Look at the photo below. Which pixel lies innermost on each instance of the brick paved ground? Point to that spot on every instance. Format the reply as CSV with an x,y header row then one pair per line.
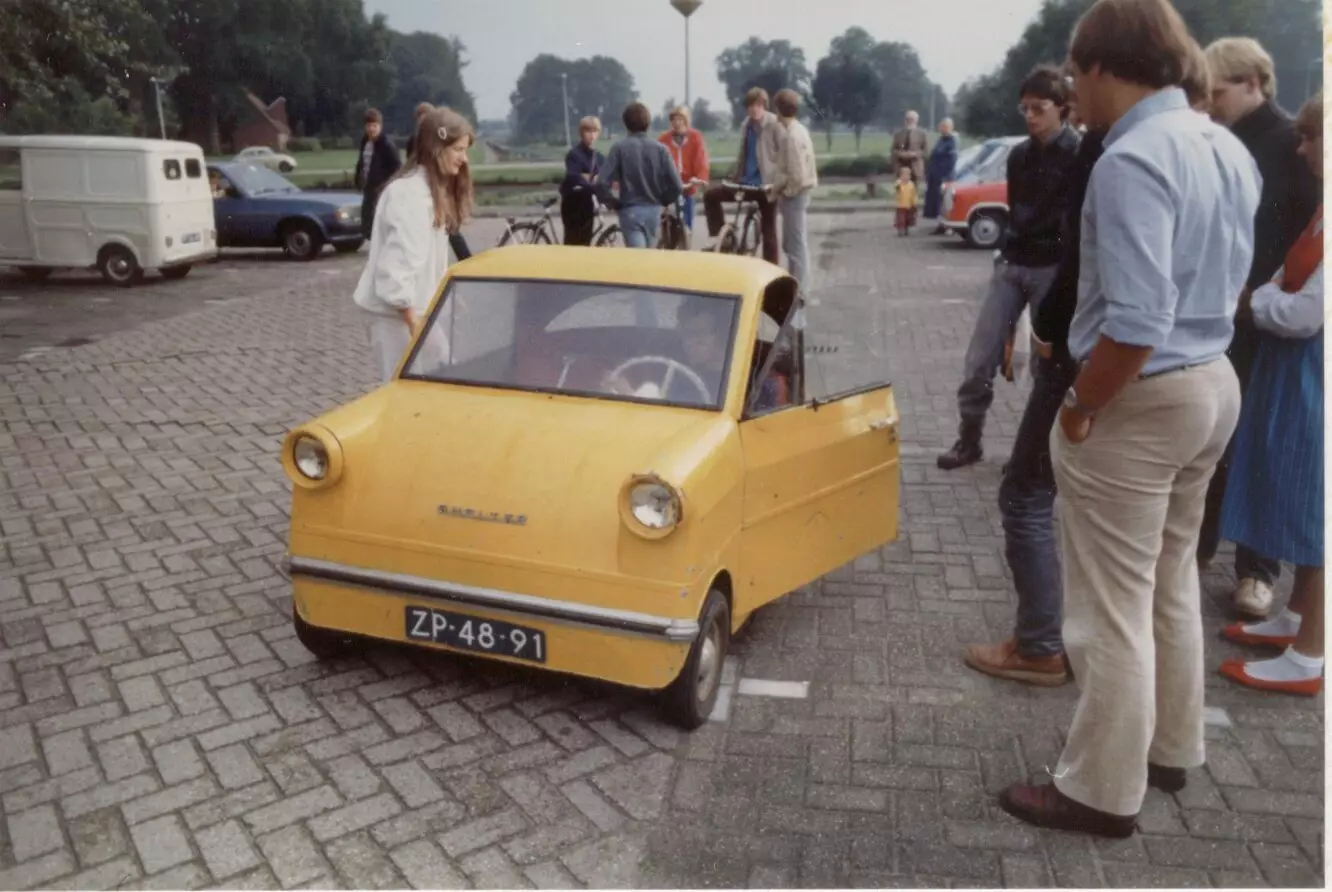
x,y
160,726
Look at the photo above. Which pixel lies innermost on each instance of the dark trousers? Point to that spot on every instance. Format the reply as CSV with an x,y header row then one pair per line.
x,y
1248,564
368,202
579,218
714,202
933,197
1026,503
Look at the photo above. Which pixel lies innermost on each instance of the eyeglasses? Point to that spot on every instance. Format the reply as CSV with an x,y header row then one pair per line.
x,y
1034,108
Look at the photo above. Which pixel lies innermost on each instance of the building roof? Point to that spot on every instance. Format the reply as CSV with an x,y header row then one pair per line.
x,y
264,111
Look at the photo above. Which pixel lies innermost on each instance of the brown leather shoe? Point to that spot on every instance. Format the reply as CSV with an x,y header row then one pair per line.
x,y
1045,806
1003,660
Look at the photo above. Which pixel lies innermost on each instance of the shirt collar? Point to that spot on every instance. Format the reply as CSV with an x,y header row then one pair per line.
x,y
1169,99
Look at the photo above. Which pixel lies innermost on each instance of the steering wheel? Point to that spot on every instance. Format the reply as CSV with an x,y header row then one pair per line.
x,y
672,366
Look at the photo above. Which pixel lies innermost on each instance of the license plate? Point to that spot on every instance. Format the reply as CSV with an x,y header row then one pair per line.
x,y
486,636
191,238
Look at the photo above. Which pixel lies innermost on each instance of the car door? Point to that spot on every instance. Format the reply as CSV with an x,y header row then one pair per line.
x,y
822,476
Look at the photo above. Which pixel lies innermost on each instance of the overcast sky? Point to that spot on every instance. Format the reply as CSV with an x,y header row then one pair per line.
x,y
956,39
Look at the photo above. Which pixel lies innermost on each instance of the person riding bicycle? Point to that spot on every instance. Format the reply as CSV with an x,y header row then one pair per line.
x,y
690,154
581,167
761,140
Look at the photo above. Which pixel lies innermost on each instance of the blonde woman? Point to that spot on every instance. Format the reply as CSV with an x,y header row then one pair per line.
x,y
419,209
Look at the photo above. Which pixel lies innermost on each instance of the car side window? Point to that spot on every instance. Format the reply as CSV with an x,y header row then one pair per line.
x,y
777,371
11,171
171,167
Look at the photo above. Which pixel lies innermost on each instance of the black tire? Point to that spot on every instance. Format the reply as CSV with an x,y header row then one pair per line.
x,y
301,241
986,229
349,247
689,700
525,234
749,238
672,234
285,167
610,237
176,272
35,273
119,266
325,644
727,243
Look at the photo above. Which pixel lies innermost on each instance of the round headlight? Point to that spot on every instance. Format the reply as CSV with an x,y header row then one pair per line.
x,y
654,505
310,457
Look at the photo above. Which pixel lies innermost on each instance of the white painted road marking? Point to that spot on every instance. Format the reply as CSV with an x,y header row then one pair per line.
x,y
1216,717
787,690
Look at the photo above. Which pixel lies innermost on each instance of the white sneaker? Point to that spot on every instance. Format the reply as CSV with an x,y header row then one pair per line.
x,y
1253,598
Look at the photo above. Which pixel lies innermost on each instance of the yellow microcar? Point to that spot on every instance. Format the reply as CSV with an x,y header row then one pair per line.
x,y
592,461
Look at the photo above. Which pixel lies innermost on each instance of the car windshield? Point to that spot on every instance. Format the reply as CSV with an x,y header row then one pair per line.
x,y
599,340
981,165
256,180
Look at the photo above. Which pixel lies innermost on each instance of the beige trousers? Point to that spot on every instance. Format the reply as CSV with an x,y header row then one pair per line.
x,y
1131,499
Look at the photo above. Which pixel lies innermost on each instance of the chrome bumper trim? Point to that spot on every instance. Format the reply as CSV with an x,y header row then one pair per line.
x,y
528,605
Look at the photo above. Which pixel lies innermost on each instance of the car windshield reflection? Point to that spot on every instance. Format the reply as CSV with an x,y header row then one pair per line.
x,y
605,341
254,179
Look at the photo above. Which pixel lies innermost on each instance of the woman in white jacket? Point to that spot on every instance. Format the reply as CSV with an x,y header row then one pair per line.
x,y
429,199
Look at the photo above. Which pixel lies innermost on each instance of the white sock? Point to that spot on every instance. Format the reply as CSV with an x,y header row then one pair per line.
x,y
1284,624
1290,666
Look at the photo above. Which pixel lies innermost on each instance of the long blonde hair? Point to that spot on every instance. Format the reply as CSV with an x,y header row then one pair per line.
x,y
436,130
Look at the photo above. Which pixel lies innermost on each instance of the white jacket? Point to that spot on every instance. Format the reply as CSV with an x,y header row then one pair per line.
x,y
408,255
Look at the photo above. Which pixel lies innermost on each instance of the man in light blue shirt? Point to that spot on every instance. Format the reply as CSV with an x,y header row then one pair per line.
x,y
1167,239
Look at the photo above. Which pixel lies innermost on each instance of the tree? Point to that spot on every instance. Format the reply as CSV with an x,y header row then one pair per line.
x,y
846,89
426,68
663,120
1290,30
705,119
772,65
598,86
906,87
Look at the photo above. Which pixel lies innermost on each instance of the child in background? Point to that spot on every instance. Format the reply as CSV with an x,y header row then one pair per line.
x,y
906,201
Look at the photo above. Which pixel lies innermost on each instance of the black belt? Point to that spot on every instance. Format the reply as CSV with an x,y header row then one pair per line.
x,y
1082,364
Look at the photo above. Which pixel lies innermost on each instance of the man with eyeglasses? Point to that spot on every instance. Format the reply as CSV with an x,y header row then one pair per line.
x,y
1039,173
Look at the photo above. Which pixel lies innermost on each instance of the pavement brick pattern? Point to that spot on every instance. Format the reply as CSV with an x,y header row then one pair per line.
x,y
160,727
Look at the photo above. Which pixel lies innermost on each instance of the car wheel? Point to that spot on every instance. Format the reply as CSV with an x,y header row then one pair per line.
x,y
302,241
349,247
35,273
689,700
176,272
119,266
986,229
285,167
325,644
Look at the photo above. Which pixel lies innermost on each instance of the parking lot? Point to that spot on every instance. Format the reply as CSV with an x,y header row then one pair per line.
x,y
160,726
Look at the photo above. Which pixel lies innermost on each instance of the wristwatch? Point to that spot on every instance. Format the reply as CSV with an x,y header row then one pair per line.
x,y
1071,402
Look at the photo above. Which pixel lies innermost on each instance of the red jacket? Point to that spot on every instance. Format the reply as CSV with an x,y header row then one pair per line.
x,y
691,159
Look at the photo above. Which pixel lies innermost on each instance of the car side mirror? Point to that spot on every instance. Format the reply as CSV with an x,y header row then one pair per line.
x,y
233,192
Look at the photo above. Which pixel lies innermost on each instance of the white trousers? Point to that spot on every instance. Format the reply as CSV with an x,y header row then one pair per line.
x,y
389,339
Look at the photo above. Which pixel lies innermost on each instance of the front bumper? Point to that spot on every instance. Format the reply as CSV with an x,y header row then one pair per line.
x,y
624,647
344,231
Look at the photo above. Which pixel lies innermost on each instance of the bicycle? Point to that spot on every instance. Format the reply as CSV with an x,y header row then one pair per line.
x,y
675,235
741,234
542,231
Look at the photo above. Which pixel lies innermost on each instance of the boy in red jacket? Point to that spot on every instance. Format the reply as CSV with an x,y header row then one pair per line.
x,y
690,154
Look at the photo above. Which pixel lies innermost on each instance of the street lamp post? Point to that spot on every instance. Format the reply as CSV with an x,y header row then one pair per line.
x,y
1308,75
564,89
686,8
157,93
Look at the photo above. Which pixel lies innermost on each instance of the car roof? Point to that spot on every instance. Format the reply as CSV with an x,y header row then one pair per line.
x,y
106,143
701,271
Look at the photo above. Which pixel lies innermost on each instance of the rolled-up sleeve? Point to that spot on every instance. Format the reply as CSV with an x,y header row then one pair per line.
x,y
1290,315
405,250
1134,219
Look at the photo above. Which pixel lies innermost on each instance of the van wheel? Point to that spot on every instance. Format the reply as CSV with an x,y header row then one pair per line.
x,y
986,229
323,643
176,272
35,273
302,241
690,698
119,266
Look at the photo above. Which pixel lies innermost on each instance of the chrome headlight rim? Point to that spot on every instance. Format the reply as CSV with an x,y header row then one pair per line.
x,y
348,214
641,495
301,450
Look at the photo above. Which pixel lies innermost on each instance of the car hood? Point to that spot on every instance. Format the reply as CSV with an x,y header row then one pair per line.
x,y
518,476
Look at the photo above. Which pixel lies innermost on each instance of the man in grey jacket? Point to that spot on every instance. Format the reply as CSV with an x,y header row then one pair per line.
x,y
761,140
647,177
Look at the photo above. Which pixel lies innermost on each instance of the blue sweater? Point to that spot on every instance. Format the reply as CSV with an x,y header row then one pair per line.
x,y
645,171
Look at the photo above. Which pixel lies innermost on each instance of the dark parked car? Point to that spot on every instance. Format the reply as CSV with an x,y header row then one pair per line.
x,y
257,208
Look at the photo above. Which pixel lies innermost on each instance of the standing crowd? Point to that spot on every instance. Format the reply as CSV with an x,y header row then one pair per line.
x,y
1170,255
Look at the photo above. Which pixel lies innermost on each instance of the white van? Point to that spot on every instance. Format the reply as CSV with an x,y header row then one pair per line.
x,y
119,205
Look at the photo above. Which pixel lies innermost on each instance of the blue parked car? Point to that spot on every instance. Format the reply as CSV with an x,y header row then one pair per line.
x,y
257,208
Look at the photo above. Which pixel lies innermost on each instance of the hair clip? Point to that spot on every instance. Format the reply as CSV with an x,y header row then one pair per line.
x,y
443,133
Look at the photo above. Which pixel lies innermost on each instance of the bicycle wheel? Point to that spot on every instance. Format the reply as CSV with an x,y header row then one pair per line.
x,y
672,234
525,234
726,243
749,239
610,237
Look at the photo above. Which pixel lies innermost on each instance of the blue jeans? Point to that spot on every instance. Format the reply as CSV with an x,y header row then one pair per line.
x,y
640,224
688,212
1026,501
